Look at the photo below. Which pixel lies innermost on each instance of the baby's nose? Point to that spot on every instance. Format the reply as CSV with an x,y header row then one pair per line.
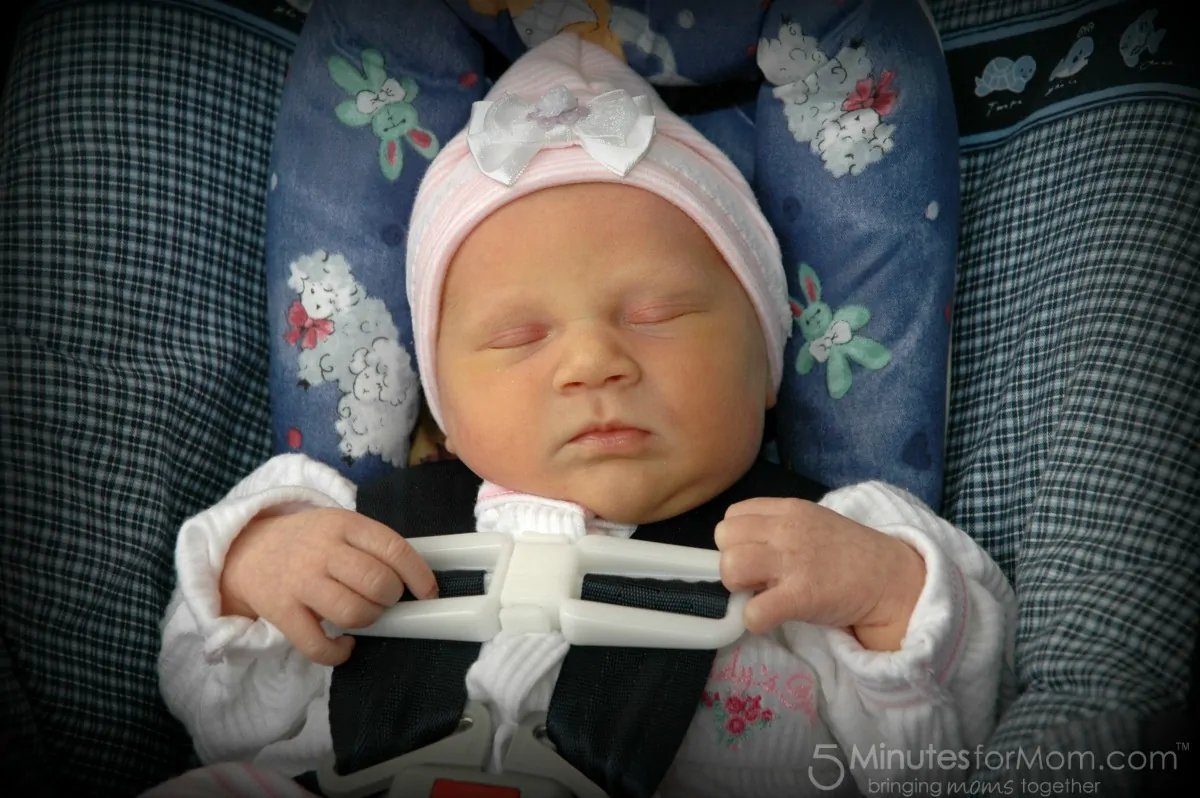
x,y
595,358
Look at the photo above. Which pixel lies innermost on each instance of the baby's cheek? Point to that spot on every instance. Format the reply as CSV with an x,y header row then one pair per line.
x,y
490,432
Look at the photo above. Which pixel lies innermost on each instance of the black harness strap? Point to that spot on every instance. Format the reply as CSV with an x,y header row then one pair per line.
x,y
394,696
617,714
401,695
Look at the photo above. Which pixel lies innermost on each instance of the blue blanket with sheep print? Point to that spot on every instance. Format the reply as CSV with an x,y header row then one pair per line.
x,y
847,133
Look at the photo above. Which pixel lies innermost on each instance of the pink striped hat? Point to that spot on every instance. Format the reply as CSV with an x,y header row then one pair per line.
x,y
567,112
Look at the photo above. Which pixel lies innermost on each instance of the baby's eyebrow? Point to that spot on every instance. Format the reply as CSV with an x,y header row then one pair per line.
x,y
510,311
667,295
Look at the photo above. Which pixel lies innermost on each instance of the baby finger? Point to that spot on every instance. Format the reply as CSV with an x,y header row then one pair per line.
x,y
749,566
365,575
335,602
305,633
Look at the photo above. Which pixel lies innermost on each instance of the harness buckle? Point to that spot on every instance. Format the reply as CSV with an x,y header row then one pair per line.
x,y
536,583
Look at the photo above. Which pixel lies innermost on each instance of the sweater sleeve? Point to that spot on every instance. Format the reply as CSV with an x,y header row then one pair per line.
x,y
241,690
917,713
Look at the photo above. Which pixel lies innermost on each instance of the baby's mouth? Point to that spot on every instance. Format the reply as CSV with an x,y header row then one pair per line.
x,y
612,438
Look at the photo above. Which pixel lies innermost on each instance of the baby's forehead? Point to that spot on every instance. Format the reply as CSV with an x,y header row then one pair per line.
x,y
631,273
528,287
609,238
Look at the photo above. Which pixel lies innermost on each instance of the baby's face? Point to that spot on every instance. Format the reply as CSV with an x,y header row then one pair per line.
x,y
595,347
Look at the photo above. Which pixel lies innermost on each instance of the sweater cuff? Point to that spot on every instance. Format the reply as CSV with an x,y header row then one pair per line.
x,y
933,643
204,540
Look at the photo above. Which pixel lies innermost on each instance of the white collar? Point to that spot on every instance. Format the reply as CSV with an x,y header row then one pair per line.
x,y
498,509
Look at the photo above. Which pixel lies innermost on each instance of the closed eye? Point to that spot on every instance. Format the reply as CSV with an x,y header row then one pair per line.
x,y
515,337
658,313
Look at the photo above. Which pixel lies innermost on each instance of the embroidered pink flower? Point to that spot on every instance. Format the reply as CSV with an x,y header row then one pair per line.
x,y
736,716
866,95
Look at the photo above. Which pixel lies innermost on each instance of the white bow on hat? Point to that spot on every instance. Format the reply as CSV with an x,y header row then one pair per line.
x,y
614,128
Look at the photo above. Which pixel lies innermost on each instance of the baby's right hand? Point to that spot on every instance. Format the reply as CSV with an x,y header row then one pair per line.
x,y
325,563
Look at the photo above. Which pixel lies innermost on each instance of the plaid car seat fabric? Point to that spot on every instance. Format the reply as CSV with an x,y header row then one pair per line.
x,y
133,166
1073,418
134,144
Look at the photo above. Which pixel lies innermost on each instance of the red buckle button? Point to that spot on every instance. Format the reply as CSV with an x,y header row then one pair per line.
x,y
449,788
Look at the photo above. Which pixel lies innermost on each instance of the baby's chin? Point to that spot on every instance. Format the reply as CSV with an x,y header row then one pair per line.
x,y
623,490
631,493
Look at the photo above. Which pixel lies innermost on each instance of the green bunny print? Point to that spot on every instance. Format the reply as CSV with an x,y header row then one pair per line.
x,y
831,337
386,104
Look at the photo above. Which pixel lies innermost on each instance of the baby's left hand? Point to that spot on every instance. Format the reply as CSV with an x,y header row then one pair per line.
x,y
812,564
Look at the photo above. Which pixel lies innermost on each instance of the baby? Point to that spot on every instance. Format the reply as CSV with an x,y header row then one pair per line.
x,y
600,313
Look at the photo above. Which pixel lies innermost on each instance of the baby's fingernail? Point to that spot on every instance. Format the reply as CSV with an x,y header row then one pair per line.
x,y
719,533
